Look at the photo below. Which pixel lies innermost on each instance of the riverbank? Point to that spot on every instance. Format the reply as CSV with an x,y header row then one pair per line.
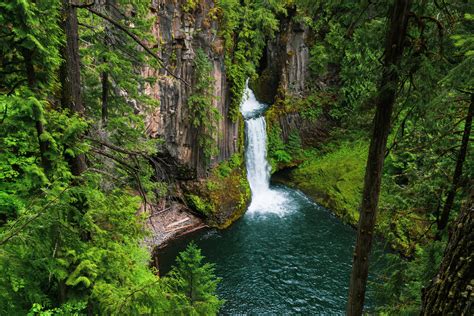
x,y
334,178
169,224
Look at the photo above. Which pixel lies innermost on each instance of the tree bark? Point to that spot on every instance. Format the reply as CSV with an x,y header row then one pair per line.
x,y
31,79
71,97
394,46
104,76
448,205
105,97
451,291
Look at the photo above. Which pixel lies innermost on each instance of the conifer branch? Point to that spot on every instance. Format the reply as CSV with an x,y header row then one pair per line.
x,y
28,221
138,41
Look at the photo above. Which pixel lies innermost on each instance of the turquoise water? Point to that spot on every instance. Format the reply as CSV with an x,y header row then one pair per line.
x,y
295,261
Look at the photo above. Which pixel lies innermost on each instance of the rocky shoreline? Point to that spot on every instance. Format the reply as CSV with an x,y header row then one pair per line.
x,y
170,223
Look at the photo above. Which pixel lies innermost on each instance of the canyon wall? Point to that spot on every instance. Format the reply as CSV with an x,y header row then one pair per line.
x,y
183,29
180,31
285,79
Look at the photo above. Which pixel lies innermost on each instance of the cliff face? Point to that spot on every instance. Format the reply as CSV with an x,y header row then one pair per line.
x,y
182,28
180,31
291,52
285,80
284,66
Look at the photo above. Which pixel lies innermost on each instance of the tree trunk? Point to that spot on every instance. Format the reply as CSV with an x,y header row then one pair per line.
x,y
105,97
451,291
31,78
71,76
394,46
448,205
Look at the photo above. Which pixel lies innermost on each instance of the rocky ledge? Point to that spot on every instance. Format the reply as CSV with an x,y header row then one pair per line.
x,y
170,223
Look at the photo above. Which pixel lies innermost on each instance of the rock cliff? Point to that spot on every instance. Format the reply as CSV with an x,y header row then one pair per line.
x,y
180,30
286,82
185,30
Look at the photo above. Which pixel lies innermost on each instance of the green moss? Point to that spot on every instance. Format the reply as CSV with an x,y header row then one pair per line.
x,y
335,180
201,205
222,198
335,177
190,5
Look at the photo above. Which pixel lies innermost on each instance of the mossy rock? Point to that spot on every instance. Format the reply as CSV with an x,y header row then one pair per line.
x,y
334,180
223,197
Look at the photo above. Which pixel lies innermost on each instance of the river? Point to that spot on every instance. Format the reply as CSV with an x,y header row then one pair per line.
x,y
286,255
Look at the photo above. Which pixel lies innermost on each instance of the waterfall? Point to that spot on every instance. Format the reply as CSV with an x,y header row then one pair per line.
x,y
264,198
258,169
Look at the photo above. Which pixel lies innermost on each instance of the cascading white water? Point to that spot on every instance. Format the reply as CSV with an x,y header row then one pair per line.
x,y
258,169
264,199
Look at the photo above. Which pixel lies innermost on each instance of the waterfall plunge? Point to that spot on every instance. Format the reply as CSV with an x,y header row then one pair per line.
x,y
264,199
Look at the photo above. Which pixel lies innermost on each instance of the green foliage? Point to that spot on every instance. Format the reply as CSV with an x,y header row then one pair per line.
x,y
203,114
29,33
403,280
359,66
190,5
225,168
295,146
85,245
277,153
199,204
194,284
288,153
69,309
245,28
319,59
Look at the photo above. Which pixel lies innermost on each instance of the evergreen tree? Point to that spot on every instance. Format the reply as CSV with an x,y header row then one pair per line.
x,y
395,42
70,236
194,283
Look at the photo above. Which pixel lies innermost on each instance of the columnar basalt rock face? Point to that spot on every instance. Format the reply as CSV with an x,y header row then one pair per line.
x,y
295,64
179,34
285,78
285,65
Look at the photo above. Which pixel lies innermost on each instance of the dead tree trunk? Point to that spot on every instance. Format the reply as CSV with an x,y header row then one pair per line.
x,y
71,97
451,291
394,46
448,205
